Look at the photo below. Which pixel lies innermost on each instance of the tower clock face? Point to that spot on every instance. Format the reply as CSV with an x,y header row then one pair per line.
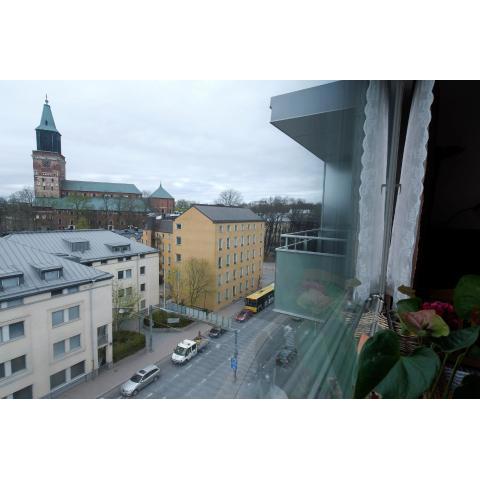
x,y
46,163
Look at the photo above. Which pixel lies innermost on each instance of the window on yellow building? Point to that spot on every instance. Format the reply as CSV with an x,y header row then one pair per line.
x,y
219,279
218,297
241,256
220,228
220,243
235,228
234,290
228,242
235,242
179,240
178,257
228,228
219,262
228,260
234,258
227,277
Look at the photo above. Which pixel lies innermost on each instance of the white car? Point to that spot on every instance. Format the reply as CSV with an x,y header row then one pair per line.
x,y
140,380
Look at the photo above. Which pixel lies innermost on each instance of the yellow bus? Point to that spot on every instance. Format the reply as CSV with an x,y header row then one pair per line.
x,y
259,300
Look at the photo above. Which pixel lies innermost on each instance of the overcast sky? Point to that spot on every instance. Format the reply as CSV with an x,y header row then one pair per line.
x,y
197,138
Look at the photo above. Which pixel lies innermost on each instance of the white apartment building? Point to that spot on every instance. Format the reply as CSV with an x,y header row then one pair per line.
x,y
135,266
55,321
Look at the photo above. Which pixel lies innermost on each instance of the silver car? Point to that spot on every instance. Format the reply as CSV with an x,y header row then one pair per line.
x,y
141,379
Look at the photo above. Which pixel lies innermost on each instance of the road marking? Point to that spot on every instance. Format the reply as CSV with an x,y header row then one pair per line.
x,y
150,394
165,397
175,376
204,380
190,366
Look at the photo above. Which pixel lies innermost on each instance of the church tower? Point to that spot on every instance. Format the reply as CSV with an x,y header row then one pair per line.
x,y
48,161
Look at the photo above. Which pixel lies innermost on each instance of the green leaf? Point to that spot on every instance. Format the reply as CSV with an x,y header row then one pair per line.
x,y
411,376
377,357
474,352
470,387
425,322
409,305
458,339
466,296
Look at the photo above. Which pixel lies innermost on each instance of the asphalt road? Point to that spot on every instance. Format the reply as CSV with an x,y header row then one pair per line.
x,y
209,375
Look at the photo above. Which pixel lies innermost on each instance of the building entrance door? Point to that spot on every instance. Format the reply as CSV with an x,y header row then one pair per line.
x,y
102,356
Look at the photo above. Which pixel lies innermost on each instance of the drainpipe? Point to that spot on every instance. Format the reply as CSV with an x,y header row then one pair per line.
x,y
92,328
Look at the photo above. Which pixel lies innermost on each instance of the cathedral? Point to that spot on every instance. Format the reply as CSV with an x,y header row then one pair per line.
x,y
62,203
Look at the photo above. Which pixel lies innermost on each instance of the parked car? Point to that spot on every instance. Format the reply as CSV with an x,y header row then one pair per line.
x,y
243,316
140,380
216,332
286,356
187,349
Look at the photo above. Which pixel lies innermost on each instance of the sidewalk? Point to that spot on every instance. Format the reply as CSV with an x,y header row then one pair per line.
x,y
163,346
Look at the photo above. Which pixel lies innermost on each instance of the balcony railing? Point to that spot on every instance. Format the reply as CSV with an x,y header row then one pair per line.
x,y
102,340
311,272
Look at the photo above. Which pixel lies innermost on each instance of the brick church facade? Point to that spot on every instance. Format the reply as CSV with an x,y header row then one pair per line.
x,y
61,203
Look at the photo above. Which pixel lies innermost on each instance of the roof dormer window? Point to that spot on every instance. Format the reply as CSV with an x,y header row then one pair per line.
x,y
49,272
10,278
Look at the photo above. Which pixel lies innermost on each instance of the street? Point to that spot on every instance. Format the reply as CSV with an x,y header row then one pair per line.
x,y
209,375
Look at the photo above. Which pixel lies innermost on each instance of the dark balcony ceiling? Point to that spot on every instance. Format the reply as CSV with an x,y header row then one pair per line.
x,y
322,117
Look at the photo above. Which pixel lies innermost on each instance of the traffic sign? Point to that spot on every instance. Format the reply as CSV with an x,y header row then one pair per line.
x,y
233,363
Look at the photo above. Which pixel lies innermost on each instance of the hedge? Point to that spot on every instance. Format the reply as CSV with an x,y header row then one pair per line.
x,y
126,343
160,320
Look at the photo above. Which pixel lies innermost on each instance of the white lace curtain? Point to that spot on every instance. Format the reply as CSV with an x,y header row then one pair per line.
x,y
409,200
372,196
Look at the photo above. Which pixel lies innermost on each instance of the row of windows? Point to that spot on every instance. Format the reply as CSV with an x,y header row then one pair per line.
x,y
248,269
236,227
243,240
59,317
11,367
235,290
66,346
64,376
124,274
26,392
235,258
12,331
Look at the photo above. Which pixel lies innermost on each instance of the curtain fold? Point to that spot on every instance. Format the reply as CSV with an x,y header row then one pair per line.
x,y
409,199
372,196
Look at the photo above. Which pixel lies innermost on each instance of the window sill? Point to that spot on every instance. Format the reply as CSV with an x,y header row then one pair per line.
x,y
6,342
66,323
16,376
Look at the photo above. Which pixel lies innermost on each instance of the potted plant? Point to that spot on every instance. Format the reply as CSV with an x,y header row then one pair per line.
x,y
443,335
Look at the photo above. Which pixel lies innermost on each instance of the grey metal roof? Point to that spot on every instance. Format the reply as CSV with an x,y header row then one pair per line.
x,y
160,192
28,261
54,242
221,214
108,187
47,122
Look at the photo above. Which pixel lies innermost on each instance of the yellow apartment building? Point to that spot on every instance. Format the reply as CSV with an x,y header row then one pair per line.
x,y
229,238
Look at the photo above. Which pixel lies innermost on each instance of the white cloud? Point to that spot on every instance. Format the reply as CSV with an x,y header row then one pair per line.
x,y
197,138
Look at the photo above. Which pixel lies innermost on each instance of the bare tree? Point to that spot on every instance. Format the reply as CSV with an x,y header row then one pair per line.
x,y
124,302
230,198
198,278
183,205
175,285
79,205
